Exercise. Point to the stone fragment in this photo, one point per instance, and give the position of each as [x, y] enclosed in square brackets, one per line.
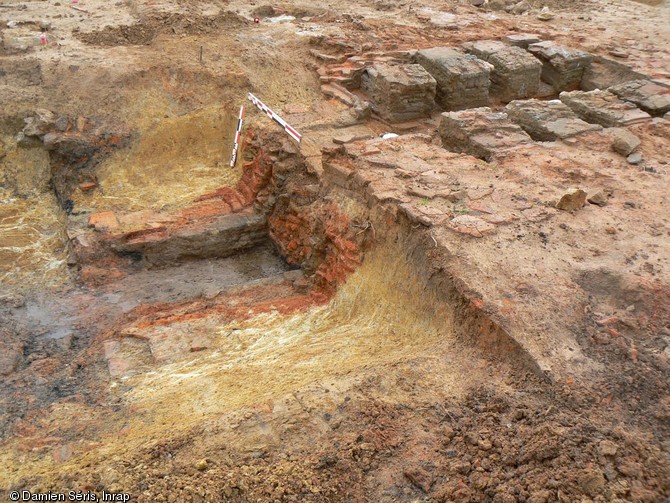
[65, 342]
[421, 478]
[480, 132]
[72, 259]
[573, 199]
[337, 174]
[40, 123]
[399, 92]
[624, 142]
[472, 438]
[477, 3]
[456, 196]
[70, 146]
[591, 481]
[522, 40]
[81, 123]
[604, 108]
[338, 92]
[516, 73]
[600, 198]
[629, 468]
[634, 159]
[545, 91]
[562, 67]
[327, 57]
[607, 448]
[414, 214]
[422, 192]
[62, 124]
[547, 120]
[546, 15]
[463, 80]
[105, 221]
[361, 110]
[603, 73]
[349, 138]
[520, 7]
[472, 226]
[652, 97]
[202, 465]
[27, 141]
[619, 53]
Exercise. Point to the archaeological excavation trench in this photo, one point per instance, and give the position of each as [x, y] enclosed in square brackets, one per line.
[277, 225]
[454, 288]
[218, 299]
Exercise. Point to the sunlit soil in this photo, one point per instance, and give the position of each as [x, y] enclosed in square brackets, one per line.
[173, 161]
[32, 240]
[381, 320]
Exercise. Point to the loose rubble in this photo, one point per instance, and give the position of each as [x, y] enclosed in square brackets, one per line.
[651, 97]
[480, 132]
[548, 120]
[572, 200]
[625, 142]
[604, 108]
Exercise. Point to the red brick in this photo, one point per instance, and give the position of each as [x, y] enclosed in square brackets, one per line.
[247, 193]
[86, 186]
[294, 219]
[217, 194]
[349, 245]
[206, 209]
[147, 235]
[105, 221]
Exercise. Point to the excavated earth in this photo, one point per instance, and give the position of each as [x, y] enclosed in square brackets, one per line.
[475, 308]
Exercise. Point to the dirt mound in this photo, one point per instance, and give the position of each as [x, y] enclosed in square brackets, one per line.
[490, 446]
[144, 32]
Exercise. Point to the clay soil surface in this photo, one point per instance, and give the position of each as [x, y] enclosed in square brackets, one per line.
[411, 325]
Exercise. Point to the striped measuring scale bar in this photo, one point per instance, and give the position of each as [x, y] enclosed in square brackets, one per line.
[238, 134]
[264, 108]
